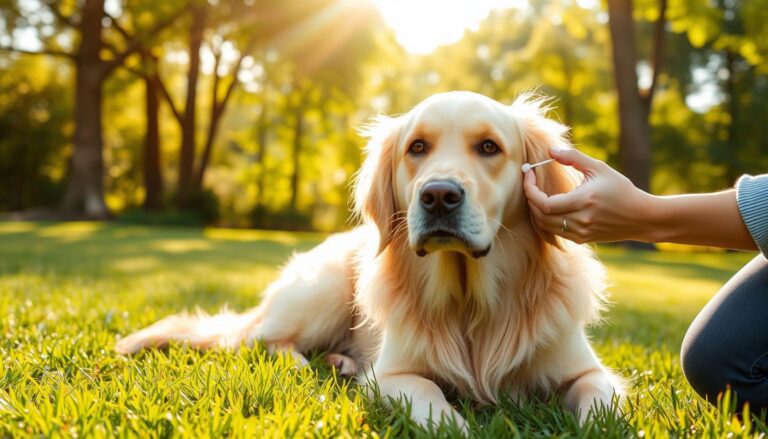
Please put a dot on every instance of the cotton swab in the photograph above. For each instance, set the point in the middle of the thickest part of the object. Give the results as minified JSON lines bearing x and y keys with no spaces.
{"x":527,"y":166}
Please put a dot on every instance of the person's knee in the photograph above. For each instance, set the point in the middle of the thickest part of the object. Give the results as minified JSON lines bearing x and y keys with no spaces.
{"x":710,"y":370}
{"x":704,"y":367}
{"x":756,"y":390}
{"x":724,"y":346}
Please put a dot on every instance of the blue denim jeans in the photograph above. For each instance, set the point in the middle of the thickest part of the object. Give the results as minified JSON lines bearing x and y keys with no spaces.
{"x":727,"y":343}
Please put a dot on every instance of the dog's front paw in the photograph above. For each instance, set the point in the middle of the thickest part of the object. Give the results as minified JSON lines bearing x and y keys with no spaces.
{"x":593,"y":390}
{"x":446,"y":417}
{"x":345,"y":366}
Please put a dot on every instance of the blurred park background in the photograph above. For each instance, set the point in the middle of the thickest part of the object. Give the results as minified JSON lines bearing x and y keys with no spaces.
{"x":243,"y":112}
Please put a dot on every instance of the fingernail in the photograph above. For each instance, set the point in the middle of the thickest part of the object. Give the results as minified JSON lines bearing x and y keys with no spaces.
{"x":557,"y":149}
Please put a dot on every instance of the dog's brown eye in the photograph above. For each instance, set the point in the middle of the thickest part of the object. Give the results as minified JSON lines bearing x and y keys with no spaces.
{"x":488,"y":147}
{"x":418,"y":147}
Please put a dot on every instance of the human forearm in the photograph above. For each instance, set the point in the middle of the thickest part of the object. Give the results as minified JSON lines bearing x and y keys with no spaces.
{"x":700,"y":219}
{"x":608,"y":207}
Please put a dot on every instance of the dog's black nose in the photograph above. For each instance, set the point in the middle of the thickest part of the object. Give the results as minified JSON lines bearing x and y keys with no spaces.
{"x":441,"y":197}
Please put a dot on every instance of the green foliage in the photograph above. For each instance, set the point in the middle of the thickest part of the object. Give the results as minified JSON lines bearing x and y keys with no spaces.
{"x":205,"y":203}
{"x":203,"y":210}
{"x":263,"y":218}
{"x":67,"y":291}
{"x":34,"y":128}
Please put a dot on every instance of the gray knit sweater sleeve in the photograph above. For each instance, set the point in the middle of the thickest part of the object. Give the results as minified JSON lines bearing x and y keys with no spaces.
{"x":752,"y":198}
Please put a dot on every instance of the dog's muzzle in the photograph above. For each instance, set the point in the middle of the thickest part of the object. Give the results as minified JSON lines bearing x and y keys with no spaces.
{"x":441,"y":219}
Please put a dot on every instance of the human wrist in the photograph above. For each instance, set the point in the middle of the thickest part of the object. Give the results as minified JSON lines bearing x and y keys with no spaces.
{"x":652,"y":218}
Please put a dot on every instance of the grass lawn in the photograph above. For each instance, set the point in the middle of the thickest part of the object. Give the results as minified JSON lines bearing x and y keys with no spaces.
{"x":68,"y":290}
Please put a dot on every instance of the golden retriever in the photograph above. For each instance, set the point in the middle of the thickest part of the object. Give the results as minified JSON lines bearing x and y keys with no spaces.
{"x":447,"y":284}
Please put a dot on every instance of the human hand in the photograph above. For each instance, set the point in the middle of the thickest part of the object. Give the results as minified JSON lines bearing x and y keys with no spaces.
{"x":605,"y":207}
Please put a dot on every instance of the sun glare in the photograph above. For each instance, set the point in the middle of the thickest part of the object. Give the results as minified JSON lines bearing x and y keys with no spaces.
{"x":423,"y":25}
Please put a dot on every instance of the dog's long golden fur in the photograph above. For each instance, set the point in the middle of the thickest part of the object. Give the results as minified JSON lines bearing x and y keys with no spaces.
{"x":487,"y":306}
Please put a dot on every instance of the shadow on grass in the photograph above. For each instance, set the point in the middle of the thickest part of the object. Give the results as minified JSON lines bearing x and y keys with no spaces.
{"x":709,"y":266}
{"x":97,"y":249}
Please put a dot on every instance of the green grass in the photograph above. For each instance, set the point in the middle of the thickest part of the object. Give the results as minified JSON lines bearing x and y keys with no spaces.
{"x":68,"y":290}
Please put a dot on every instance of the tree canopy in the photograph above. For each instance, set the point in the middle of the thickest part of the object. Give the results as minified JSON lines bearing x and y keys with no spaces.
{"x":244,"y":111}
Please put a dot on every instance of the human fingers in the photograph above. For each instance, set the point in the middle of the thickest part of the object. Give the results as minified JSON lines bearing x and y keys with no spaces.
{"x":570,"y":227}
{"x":532,"y":191}
{"x":554,"y":204}
{"x":577,"y":159}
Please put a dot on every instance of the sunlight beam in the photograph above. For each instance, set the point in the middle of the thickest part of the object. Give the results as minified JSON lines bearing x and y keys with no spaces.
{"x":421,"y":26}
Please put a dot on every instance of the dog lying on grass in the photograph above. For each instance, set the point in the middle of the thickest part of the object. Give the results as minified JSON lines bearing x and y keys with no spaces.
{"x":447,"y":284}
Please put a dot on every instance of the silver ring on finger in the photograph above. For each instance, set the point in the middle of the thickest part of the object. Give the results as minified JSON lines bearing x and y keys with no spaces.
{"x":564,"y":228}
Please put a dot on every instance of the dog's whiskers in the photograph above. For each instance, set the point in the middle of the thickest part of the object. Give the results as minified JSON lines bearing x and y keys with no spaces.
{"x":497,"y":238}
{"x":399,"y":214}
{"x":399,"y":230}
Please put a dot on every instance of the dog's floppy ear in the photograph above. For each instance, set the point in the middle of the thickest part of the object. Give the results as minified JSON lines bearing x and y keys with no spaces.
{"x":539,"y":134}
{"x":374,"y":184}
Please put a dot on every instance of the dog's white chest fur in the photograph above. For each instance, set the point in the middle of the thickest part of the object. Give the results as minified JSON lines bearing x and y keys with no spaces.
{"x":474,"y":324}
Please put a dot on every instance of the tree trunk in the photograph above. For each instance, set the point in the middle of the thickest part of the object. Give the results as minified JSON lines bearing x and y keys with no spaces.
{"x":634,"y":129}
{"x":16,"y":197}
{"x":153,"y":171}
{"x":732,"y":100}
{"x":85,"y":188}
{"x":213,"y":123}
{"x":187,"y":151}
{"x":206,"y":156}
{"x":217,"y":109}
{"x":262,"y":138}
{"x":298,"y":133}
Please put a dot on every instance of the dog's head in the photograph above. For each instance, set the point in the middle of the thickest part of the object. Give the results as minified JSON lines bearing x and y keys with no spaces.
{"x":449,"y":170}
